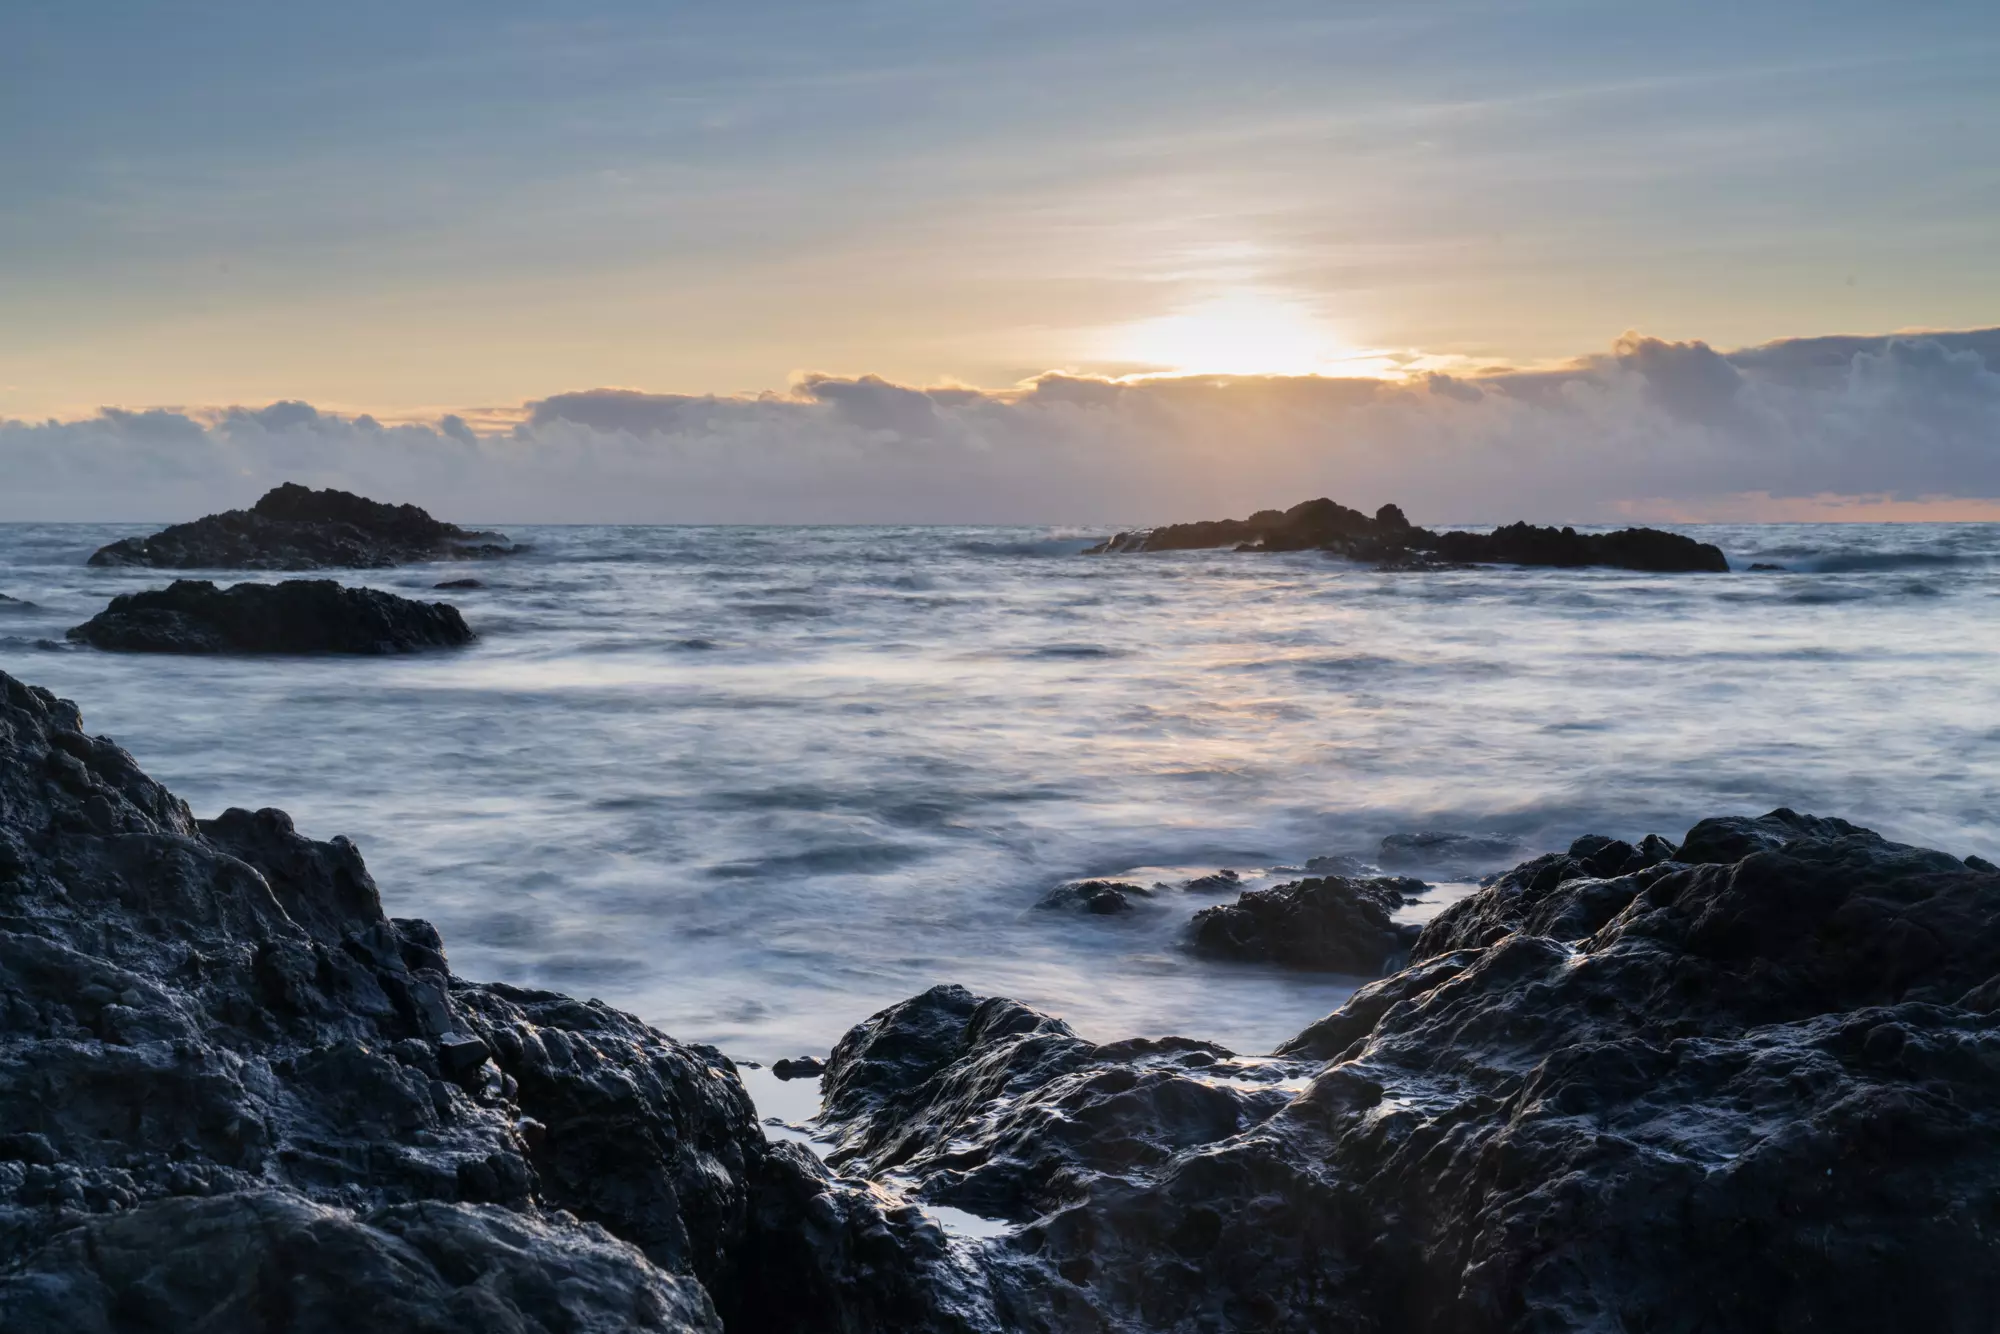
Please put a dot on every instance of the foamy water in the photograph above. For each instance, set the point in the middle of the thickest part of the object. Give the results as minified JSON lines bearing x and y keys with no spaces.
{"x":756,"y":783}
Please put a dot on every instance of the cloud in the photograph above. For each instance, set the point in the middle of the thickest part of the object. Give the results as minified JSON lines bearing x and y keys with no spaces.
{"x":1842,"y":426}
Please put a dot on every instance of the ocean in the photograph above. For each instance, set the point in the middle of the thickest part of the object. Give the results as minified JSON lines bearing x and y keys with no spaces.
{"x":753,"y":784}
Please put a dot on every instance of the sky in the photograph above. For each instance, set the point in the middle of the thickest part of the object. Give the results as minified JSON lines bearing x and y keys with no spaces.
{"x":435,"y":217}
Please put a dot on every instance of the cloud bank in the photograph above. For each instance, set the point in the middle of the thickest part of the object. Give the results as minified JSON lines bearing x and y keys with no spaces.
{"x":1901,"y":425}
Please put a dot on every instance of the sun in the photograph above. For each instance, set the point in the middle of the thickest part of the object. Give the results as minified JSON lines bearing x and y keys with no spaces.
{"x":1242,"y":332}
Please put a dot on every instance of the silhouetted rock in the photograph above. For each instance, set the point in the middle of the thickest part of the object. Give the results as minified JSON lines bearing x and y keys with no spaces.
{"x":296,"y":616}
{"x":1390,"y":540}
{"x":1332,"y":923}
{"x":1628,"y":549}
{"x":459,"y":583}
{"x":1732,"y":1096}
{"x":802,"y":1067}
{"x":1766,"y":567}
{"x":237,"y":1097}
{"x":296,"y":528}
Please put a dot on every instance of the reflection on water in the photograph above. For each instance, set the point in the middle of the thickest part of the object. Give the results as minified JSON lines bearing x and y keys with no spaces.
{"x":755,"y":783}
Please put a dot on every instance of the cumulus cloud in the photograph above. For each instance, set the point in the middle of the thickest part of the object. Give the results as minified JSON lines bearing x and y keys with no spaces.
{"x":1649,"y":428}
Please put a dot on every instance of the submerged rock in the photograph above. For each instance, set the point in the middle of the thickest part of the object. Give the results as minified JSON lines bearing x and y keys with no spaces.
{"x":1103,"y":897}
{"x":460,"y":583}
{"x":1730,"y":1095}
{"x":296,"y":616}
{"x":1389,"y":539}
{"x":296,"y":528}
{"x":235,"y":1096}
{"x":1331,"y":923}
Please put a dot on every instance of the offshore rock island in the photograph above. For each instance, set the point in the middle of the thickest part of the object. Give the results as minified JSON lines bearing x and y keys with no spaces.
{"x":296,"y":528}
{"x":295,"y":616}
{"x":1389,"y":539}
{"x":1748,"y":1081}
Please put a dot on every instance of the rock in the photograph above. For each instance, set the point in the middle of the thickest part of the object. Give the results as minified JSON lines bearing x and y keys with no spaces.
{"x":236,"y":1096}
{"x":1461,"y":853}
{"x":1648,"y":549}
{"x":803,"y":1067}
{"x":459,"y":583}
{"x":295,"y":528}
{"x":1731,"y":1096}
{"x":1765,"y":567}
{"x":1333,"y":923}
{"x":296,"y":616}
{"x":1103,"y":897}
{"x":1981,"y":864}
{"x":1224,"y":879}
{"x":1390,"y":540}
{"x":14,"y":604}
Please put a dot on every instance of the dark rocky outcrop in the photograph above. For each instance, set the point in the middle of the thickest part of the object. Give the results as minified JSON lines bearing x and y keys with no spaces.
{"x":1615,"y":1089}
{"x":1102,"y":897}
{"x":296,"y":616}
{"x":799,"y":1067}
{"x":460,"y":584}
{"x":1389,"y":539}
{"x":237,"y":1097}
{"x":1331,"y":923}
{"x":296,"y":528}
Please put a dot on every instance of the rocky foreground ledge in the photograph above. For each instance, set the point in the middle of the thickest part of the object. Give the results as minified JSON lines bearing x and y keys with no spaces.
{"x":1389,"y":539}
{"x":1754,"y":1085}
{"x":234,"y":1096}
{"x":296,"y":528}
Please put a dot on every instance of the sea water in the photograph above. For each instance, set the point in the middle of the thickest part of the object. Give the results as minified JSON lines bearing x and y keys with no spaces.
{"x":755,"y":783}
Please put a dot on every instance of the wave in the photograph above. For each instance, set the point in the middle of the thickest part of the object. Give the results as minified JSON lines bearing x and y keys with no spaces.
{"x":1039,"y":546}
{"x":1882,"y":562}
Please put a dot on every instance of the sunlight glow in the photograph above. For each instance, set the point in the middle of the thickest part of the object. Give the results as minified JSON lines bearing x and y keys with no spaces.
{"x":1242,"y":332}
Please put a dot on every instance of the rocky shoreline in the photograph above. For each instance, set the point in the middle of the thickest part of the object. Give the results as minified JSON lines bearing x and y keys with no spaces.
{"x":1390,"y":540}
{"x":1743,"y":1082}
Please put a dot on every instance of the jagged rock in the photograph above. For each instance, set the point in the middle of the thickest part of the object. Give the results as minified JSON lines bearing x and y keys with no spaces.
{"x":1007,"y":1113}
{"x":296,"y":616}
{"x":1331,"y":923}
{"x":296,"y":528}
{"x":12,"y":604}
{"x":1392,"y":541}
{"x":1225,"y":879}
{"x":235,"y":1096}
{"x":1728,"y":1095}
{"x":460,"y":583}
{"x":1103,"y":897}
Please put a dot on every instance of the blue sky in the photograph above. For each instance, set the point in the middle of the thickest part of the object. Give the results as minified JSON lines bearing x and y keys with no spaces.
{"x":408,"y":208}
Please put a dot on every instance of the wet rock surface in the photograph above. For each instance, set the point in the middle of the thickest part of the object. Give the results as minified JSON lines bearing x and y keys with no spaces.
{"x":1100,"y":897}
{"x":799,"y":1067}
{"x":296,"y":528}
{"x":296,"y":616}
{"x":236,"y":1096}
{"x":1330,"y":923}
{"x":1749,"y":1083}
{"x":1746,"y":1082}
{"x":1389,"y":539}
